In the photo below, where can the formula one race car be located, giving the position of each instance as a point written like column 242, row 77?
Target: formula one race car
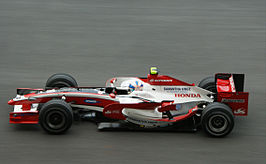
column 135, row 103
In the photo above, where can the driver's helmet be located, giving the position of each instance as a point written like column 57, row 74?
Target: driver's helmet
column 133, row 85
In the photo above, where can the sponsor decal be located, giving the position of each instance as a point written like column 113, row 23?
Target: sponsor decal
column 233, row 100
column 116, row 111
column 161, row 80
column 108, row 112
column 23, row 114
column 176, row 89
column 189, row 95
column 224, row 88
column 112, row 112
column 240, row 111
column 136, row 87
column 91, row 101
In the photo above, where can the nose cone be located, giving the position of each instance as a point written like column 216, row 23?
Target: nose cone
column 11, row 102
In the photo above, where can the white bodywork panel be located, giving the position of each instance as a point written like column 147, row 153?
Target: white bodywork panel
column 142, row 114
column 185, row 98
column 158, row 93
column 144, row 117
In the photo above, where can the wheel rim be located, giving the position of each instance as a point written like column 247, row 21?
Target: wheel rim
column 55, row 119
column 218, row 123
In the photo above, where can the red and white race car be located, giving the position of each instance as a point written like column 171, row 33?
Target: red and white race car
column 156, row 102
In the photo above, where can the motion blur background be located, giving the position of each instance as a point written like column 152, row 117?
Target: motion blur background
column 97, row 39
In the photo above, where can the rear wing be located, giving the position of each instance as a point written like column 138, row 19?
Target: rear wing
column 230, row 90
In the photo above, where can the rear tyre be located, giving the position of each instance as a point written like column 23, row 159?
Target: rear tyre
column 60, row 80
column 56, row 116
column 208, row 83
column 217, row 120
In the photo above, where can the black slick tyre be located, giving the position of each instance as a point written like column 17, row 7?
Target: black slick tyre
column 60, row 80
column 56, row 116
column 217, row 119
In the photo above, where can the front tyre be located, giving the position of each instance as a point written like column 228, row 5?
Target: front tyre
column 217, row 120
column 60, row 80
column 56, row 116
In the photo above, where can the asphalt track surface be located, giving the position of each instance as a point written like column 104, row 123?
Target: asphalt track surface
column 96, row 40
